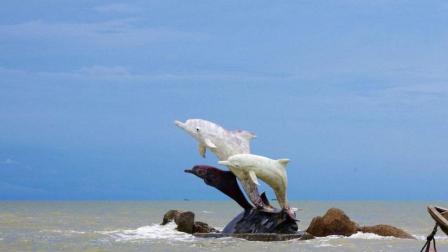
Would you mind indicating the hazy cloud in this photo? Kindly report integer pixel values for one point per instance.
(9, 161)
(117, 32)
(123, 73)
(116, 8)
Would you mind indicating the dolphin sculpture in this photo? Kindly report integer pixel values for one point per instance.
(224, 144)
(224, 181)
(272, 172)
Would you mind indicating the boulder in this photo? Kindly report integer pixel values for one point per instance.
(387, 230)
(334, 222)
(170, 216)
(202, 227)
(257, 221)
(185, 222)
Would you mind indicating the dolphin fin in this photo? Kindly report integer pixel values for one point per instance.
(247, 135)
(253, 177)
(283, 162)
(209, 143)
(201, 150)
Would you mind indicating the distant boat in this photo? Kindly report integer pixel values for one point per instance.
(440, 215)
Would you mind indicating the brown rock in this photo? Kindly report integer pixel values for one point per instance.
(170, 216)
(202, 227)
(185, 222)
(334, 222)
(386, 230)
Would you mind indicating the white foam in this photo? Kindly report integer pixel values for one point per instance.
(63, 231)
(357, 236)
(423, 237)
(369, 236)
(152, 232)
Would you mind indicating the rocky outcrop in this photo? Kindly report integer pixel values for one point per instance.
(170, 216)
(185, 222)
(202, 227)
(386, 230)
(336, 222)
(257, 221)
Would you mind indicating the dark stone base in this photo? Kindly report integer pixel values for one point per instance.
(256, 221)
(259, 236)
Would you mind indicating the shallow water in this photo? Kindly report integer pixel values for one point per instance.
(134, 226)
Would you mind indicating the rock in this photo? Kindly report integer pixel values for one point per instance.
(334, 222)
(386, 230)
(170, 216)
(256, 221)
(202, 227)
(260, 236)
(185, 222)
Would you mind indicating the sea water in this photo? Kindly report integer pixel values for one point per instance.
(135, 226)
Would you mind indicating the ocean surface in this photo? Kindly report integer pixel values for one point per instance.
(134, 226)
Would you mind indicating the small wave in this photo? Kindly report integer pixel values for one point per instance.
(152, 232)
(358, 235)
(370, 236)
(63, 231)
(206, 212)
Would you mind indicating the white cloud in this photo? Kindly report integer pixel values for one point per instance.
(9, 161)
(118, 32)
(116, 8)
(122, 73)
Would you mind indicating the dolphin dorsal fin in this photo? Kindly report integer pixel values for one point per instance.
(284, 162)
(247, 135)
(253, 177)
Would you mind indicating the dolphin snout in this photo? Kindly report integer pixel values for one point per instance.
(179, 124)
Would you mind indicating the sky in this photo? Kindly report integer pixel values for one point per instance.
(354, 93)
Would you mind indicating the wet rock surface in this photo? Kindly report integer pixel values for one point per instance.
(386, 230)
(170, 216)
(185, 222)
(202, 227)
(261, 236)
(256, 221)
(336, 222)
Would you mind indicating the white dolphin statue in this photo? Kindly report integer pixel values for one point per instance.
(224, 143)
(272, 172)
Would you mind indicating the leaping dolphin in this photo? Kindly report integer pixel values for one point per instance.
(224, 144)
(224, 181)
(251, 167)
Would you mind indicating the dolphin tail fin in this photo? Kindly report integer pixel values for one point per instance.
(247, 135)
(284, 162)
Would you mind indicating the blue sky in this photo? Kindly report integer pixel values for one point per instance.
(355, 93)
